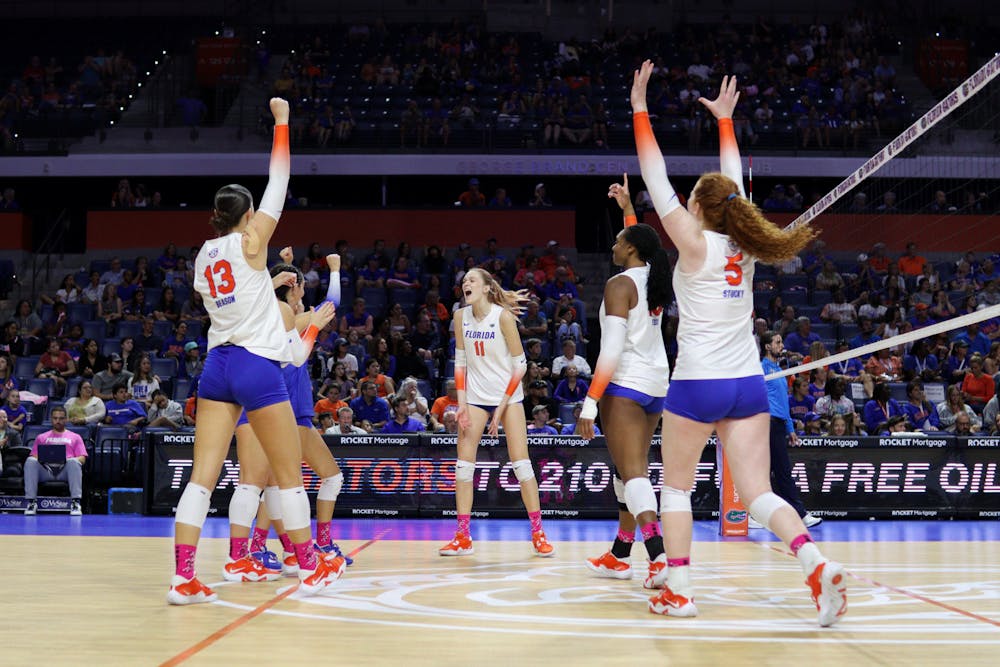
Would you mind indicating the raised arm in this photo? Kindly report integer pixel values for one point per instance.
(261, 226)
(619, 192)
(682, 228)
(729, 152)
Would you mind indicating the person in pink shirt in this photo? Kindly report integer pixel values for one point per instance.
(72, 471)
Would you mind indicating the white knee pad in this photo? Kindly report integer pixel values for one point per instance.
(674, 500)
(192, 508)
(464, 470)
(639, 496)
(619, 489)
(244, 504)
(523, 470)
(765, 505)
(272, 503)
(294, 508)
(330, 488)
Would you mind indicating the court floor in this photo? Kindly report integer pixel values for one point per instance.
(90, 591)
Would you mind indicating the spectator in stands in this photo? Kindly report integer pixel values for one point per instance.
(165, 413)
(957, 365)
(777, 201)
(571, 389)
(921, 364)
(923, 295)
(173, 347)
(472, 197)
(434, 308)
(919, 411)
(444, 404)
(977, 342)
(17, 414)
(29, 324)
(881, 408)
(977, 387)
(426, 338)
(115, 274)
(416, 403)
(91, 361)
(799, 340)
(57, 365)
(834, 402)
(7, 379)
(866, 333)
(540, 198)
(569, 357)
(401, 421)
(888, 204)
(954, 405)
(378, 350)
(500, 199)
(9, 201)
(194, 310)
(357, 320)
(105, 381)
(940, 204)
(402, 276)
(332, 400)
(85, 408)
(147, 340)
(67, 293)
(110, 307)
(71, 471)
(892, 426)
(991, 413)
(538, 424)
(859, 203)
(964, 425)
(828, 277)
(799, 401)
(343, 357)
(93, 291)
(921, 316)
(144, 382)
(8, 436)
(910, 263)
(989, 296)
(450, 424)
(885, 365)
(123, 411)
(792, 266)
(368, 406)
(345, 424)
(941, 307)
(538, 395)
(533, 321)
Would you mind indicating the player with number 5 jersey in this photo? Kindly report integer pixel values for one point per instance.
(247, 347)
(718, 384)
(489, 365)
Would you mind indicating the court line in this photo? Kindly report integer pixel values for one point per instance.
(902, 591)
(252, 614)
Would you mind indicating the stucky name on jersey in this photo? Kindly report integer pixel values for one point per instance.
(481, 335)
(225, 301)
(732, 294)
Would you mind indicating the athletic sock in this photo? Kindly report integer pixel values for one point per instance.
(238, 547)
(286, 543)
(536, 520)
(306, 555)
(463, 524)
(807, 552)
(622, 547)
(323, 533)
(259, 542)
(652, 539)
(679, 576)
(184, 560)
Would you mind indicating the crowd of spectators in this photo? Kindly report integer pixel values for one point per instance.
(822, 305)
(821, 85)
(970, 198)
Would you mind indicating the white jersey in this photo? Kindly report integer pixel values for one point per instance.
(643, 365)
(240, 300)
(715, 304)
(488, 361)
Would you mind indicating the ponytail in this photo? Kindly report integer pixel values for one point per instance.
(281, 291)
(741, 220)
(507, 299)
(229, 205)
(659, 285)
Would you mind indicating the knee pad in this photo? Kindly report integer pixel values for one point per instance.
(272, 503)
(244, 504)
(674, 500)
(620, 492)
(464, 470)
(523, 470)
(765, 505)
(295, 508)
(192, 508)
(639, 496)
(330, 488)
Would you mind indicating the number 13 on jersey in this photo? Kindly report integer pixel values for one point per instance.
(226, 282)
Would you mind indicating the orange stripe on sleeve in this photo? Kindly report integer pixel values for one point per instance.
(630, 220)
(460, 378)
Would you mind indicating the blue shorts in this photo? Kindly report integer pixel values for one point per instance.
(489, 408)
(651, 404)
(296, 379)
(708, 401)
(306, 422)
(233, 374)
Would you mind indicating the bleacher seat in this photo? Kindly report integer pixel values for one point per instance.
(180, 389)
(111, 346)
(163, 328)
(375, 300)
(24, 367)
(95, 329)
(164, 368)
(788, 281)
(42, 386)
(128, 328)
(80, 312)
(110, 454)
(566, 413)
(73, 386)
(426, 390)
(795, 298)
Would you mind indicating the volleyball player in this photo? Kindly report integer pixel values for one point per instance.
(718, 383)
(489, 365)
(245, 504)
(630, 381)
(246, 347)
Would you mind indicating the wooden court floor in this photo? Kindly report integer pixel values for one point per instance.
(90, 600)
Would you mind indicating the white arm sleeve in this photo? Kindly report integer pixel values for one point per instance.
(333, 290)
(299, 352)
(460, 358)
(273, 200)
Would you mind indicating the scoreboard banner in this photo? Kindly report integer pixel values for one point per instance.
(414, 475)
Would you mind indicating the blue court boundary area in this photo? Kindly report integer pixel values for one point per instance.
(502, 530)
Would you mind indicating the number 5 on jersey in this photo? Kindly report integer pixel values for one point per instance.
(227, 283)
(734, 272)
(479, 347)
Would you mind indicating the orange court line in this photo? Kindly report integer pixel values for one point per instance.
(250, 615)
(903, 591)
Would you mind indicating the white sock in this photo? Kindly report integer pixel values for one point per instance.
(809, 557)
(679, 580)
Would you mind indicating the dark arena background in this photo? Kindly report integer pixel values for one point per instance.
(429, 137)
